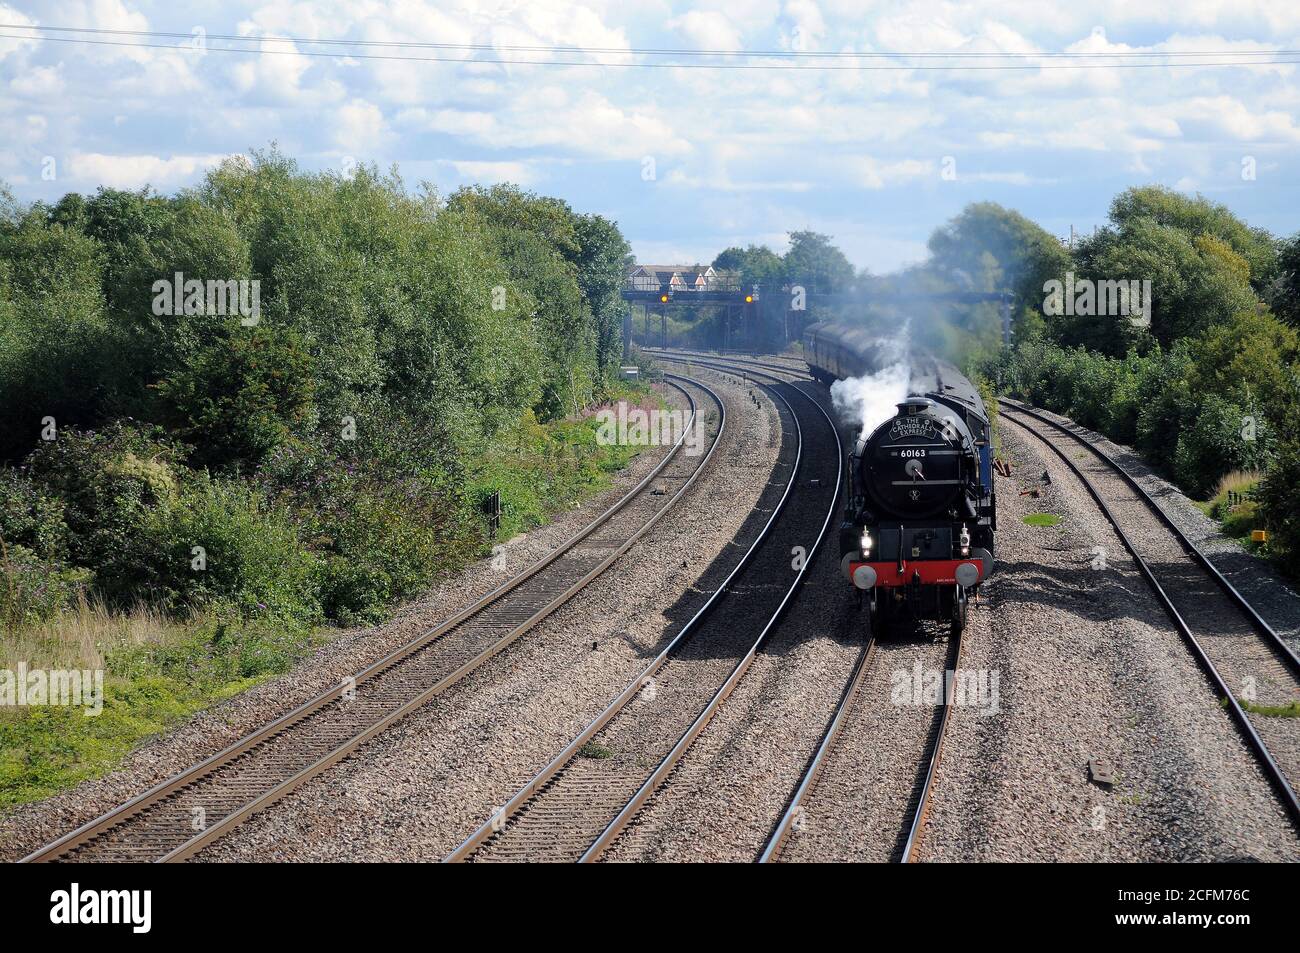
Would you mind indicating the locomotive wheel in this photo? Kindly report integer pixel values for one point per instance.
(879, 614)
(959, 611)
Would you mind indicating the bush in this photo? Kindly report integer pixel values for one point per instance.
(108, 482)
(242, 395)
(391, 542)
(252, 556)
(1280, 505)
(33, 590)
(31, 517)
(1218, 441)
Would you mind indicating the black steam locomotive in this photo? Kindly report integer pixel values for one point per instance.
(917, 536)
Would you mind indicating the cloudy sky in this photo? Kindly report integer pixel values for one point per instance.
(687, 160)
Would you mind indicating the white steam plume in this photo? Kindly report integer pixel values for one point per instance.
(868, 401)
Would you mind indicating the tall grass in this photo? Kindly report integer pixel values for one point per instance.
(83, 635)
(1238, 481)
(1238, 519)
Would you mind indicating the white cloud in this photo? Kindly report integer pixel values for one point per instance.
(707, 30)
(134, 171)
(490, 173)
(876, 174)
(14, 47)
(806, 24)
(589, 124)
(360, 126)
(39, 82)
(729, 146)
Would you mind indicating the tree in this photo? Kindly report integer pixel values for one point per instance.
(989, 248)
(754, 265)
(58, 350)
(603, 259)
(1284, 293)
(1197, 281)
(1199, 216)
(241, 396)
(818, 265)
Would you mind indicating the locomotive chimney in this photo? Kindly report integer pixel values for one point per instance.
(915, 405)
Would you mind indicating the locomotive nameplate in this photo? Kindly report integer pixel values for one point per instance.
(912, 427)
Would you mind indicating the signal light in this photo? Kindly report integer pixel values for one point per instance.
(663, 298)
(749, 299)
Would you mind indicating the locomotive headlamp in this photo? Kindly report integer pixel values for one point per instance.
(964, 541)
(866, 543)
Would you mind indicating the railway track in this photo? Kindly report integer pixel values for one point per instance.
(851, 703)
(847, 718)
(584, 800)
(181, 815)
(783, 365)
(1238, 650)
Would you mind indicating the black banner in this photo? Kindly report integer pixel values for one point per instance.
(141, 905)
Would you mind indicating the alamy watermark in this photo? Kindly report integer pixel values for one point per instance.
(71, 688)
(179, 295)
(1109, 298)
(624, 426)
(133, 908)
(968, 687)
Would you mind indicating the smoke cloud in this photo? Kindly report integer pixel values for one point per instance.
(868, 401)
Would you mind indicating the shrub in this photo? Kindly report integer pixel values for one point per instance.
(252, 556)
(1218, 441)
(392, 541)
(30, 516)
(33, 590)
(242, 395)
(108, 483)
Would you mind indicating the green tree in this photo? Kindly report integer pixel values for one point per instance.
(603, 259)
(241, 395)
(813, 261)
(537, 238)
(755, 265)
(58, 350)
(1199, 216)
(1197, 281)
(1284, 293)
(988, 248)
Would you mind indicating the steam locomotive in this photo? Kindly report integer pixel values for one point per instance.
(918, 529)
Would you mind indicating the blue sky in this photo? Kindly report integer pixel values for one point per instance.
(738, 156)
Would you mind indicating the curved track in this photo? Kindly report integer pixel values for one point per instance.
(181, 815)
(850, 703)
(1228, 638)
(589, 794)
(794, 365)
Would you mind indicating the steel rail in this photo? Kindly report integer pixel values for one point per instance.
(664, 768)
(133, 808)
(528, 791)
(843, 710)
(1261, 625)
(912, 844)
(743, 361)
(1270, 765)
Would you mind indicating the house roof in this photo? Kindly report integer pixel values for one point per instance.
(672, 269)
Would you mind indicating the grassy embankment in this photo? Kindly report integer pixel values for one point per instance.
(159, 669)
